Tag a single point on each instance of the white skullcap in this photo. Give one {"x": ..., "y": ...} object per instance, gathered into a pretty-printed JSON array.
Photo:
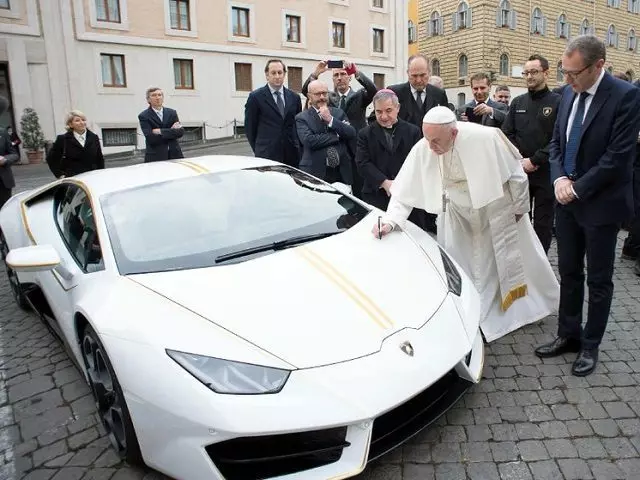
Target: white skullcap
[{"x": 439, "y": 115}]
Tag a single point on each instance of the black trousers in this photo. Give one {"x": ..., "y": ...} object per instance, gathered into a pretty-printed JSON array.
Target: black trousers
[
  {"x": 381, "y": 200},
  {"x": 542, "y": 201},
  {"x": 599, "y": 244},
  {"x": 5, "y": 194}
]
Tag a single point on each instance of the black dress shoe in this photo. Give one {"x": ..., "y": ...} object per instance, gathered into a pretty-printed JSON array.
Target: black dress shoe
[
  {"x": 559, "y": 346},
  {"x": 585, "y": 363}
]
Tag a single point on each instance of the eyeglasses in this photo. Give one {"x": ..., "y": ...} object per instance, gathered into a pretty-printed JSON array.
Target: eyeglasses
[
  {"x": 573, "y": 75},
  {"x": 533, "y": 73}
]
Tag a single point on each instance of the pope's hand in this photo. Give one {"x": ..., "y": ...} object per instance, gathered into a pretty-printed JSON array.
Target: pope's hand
[
  {"x": 385, "y": 229},
  {"x": 386, "y": 185},
  {"x": 564, "y": 191}
]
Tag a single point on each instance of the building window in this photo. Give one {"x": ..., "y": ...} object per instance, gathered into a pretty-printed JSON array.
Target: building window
[
  {"x": 106, "y": 10},
  {"x": 113, "y": 70},
  {"x": 183, "y": 74},
  {"x": 632, "y": 41},
  {"x": 293, "y": 23},
  {"x": 179, "y": 14},
  {"x": 435, "y": 67},
  {"x": 243, "y": 76},
  {"x": 436, "y": 26},
  {"x": 118, "y": 137},
  {"x": 295, "y": 79},
  {"x": 192, "y": 135},
  {"x": 463, "y": 66},
  {"x": 538, "y": 22},
  {"x": 462, "y": 17},
  {"x": 378, "y": 80},
  {"x": 634, "y": 6},
  {"x": 562, "y": 27},
  {"x": 413, "y": 34},
  {"x": 378, "y": 3},
  {"x": 378, "y": 40},
  {"x": 504, "y": 64},
  {"x": 506, "y": 16},
  {"x": 462, "y": 99},
  {"x": 4, "y": 4},
  {"x": 338, "y": 34},
  {"x": 241, "y": 26},
  {"x": 612, "y": 37}
]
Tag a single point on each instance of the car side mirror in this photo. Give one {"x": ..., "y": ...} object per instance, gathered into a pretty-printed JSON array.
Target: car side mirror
[{"x": 35, "y": 258}]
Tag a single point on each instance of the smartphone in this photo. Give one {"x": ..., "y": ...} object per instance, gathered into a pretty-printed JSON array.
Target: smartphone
[
  {"x": 472, "y": 117},
  {"x": 335, "y": 64}
]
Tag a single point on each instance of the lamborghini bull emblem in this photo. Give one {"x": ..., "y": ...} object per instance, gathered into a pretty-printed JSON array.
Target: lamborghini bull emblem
[
  {"x": 546, "y": 111},
  {"x": 407, "y": 348}
]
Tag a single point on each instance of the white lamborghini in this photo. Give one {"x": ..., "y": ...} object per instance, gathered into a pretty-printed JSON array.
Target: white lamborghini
[{"x": 235, "y": 318}]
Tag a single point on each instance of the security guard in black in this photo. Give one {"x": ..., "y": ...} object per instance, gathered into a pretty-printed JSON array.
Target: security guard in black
[{"x": 529, "y": 126}]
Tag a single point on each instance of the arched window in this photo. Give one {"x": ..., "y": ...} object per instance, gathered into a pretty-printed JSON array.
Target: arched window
[
  {"x": 435, "y": 67},
  {"x": 612, "y": 36},
  {"x": 462, "y": 17},
  {"x": 436, "y": 26},
  {"x": 463, "y": 66},
  {"x": 504, "y": 64},
  {"x": 537, "y": 22},
  {"x": 506, "y": 16},
  {"x": 632, "y": 41},
  {"x": 562, "y": 27},
  {"x": 585, "y": 29}
]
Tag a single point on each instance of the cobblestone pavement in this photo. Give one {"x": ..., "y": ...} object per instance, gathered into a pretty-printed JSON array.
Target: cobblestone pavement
[{"x": 527, "y": 419}]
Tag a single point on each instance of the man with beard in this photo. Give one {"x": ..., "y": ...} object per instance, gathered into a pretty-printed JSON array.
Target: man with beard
[
  {"x": 324, "y": 134},
  {"x": 529, "y": 126},
  {"x": 382, "y": 148},
  {"x": 485, "y": 111}
]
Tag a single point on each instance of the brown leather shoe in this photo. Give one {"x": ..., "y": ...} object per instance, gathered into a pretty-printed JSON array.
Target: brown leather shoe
[{"x": 559, "y": 346}]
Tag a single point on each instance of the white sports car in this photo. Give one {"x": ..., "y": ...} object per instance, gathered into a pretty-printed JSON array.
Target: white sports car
[{"x": 236, "y": 319}]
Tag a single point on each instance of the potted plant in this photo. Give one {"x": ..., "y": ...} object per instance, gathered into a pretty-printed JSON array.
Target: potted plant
[{"x": 32, "y": 136}]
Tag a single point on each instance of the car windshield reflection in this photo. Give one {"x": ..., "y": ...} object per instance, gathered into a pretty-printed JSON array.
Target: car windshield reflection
[{"x": 188, "y": 223}]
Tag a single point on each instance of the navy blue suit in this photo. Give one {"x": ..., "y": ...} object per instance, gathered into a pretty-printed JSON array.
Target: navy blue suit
[
  {"x": 164, "y": 146},
  {"x": 603, "y": 185},
  {"x": 270, "y": 134}
]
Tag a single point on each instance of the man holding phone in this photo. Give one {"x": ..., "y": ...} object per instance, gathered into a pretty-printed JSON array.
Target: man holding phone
[{"x": 482, "y": 109}]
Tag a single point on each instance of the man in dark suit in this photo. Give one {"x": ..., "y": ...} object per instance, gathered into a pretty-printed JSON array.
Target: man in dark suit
[
  {"x": 591, "y": 156},
  {"x": 269, "y": 117},
  {"x": 161, "y": 128},
  {"x": 352, "y": 102},
  {"x": 324, "y": 133},
  {"x": 382, "y": 149},
  {"x": 417, "y": 97},
  {"x": 8, "y": 156},
  {"x": 485, "y": 111}
]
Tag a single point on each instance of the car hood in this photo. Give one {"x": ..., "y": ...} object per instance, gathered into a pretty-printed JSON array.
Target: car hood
[{"x": 321, "y": 303}]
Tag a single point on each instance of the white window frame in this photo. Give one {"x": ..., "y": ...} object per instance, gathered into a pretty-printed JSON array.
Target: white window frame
[
  {"x": 14, "y": 10},
  {"x": 124, "y": 17},
  {"x": 384, "y": 9},
  {"x": 303, "y": 29},
  {"x": 101, "y": 89},
  {"x": 252, "y": 23},
  {"x": 385, "y": 41},
  {"x": 192, "y": 21},
  {"x": 343, "y": 3},
  {"x": 181, "y": 91},
  {"x": 347, "y": 43}
]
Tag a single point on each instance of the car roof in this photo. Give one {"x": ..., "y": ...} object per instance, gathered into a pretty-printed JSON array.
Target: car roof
[{"x": 115, "y": 179}]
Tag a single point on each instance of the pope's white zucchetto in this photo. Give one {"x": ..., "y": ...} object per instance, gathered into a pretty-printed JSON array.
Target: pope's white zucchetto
[{"x": 439, "y": 116}]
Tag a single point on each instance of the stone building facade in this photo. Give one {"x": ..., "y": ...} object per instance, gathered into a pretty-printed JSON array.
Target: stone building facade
[{"x": 468, "y": 36}]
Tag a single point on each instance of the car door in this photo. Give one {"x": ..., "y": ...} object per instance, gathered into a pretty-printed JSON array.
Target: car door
[{"x": 80, "y": 252}]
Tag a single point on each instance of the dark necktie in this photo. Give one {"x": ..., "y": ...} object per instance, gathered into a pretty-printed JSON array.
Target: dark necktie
[
  {"x": 419, "y": 99},
  {"x": 343, "y": 102},
  {"x": 279, "y": 102},
  {"x": 571, "y": 149}
]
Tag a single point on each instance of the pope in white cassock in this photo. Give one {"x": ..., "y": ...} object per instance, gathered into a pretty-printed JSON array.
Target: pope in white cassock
[{"x": 471, "y": 176}]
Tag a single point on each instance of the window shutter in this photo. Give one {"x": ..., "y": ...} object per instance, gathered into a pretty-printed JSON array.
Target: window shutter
[
  {"x": 430, "y": 28},
  {"x": 558, "y": 28},
  {"x": 440, "y": 26},
  {"x": 454, "y": 21},
  {"x": 469, "y": 17},
  {"x": 513, "y": 19},
  {"x": 499, "y": 16},
  {"x": 544, "y": 25}
]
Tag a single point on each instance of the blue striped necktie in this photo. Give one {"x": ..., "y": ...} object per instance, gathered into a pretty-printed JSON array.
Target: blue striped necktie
[{"x": 571, "y": 149}]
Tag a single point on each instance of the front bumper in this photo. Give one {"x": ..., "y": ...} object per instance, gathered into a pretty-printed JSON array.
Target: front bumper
[{"x": 326, "y": 423}]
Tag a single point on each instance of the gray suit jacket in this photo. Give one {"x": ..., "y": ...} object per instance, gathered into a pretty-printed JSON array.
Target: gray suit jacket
[
  {"x": 499, "y": 113},
  {"x": 11, "y": 156}
]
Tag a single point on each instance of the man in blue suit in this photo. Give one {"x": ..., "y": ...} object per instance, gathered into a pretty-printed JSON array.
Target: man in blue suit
[
  {"x": 591, "y": 156},
  {"x": 161, "y": 128},
  {"x": 269, "y": 117}
]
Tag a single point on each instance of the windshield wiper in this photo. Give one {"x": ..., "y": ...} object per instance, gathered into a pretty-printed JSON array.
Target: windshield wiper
[{"x": 279, "y": 245}]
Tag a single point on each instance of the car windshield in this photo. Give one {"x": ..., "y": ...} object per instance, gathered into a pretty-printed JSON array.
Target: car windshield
[{"x": 191, "y": 222}]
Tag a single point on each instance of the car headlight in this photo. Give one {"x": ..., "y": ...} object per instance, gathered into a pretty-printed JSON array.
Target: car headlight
[
  {"x": 227, "y": 377},
  {"x": 454, "y": 280}
]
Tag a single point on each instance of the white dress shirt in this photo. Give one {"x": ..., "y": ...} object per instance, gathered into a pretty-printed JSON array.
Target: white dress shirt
[
  {"x": 275, "y": 97},
  {"x": 159, "y": 112},
  {"x": 80, "y": 138},
  {"x": 587, "y": 103}
]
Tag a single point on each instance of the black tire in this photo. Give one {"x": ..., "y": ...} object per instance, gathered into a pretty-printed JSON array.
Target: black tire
[
  {"x": 110, "y": 401},
  {"x": 17, "y": 290}
]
